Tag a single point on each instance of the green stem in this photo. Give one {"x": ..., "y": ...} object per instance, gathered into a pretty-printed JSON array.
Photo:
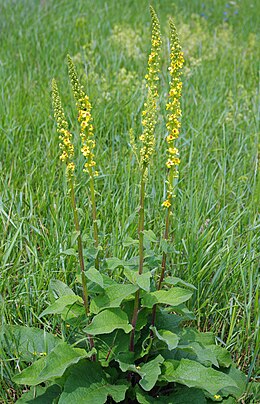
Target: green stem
[
  {"x": 141, "y": 257},
  {"x": 94, "y": 214},
  {"x": 81, "y": 258},
  {"x": 163, "y": 266},
  {"x": 80, "y": 248}
]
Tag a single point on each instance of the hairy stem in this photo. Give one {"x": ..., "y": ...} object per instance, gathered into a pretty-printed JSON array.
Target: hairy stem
[
  {"x": 163, "y": 266},
  {"x": 81, "y": 259},
  {"x": 94, "y": 214},
  {"x": 141, "y": 257},
  {"x": 80, "y": 248}
]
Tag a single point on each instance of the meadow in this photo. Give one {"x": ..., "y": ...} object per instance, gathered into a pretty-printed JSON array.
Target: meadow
[{"x": 215, "y": 237}]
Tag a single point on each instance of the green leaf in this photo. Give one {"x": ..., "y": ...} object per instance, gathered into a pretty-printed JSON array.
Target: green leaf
[
  {"x": 143, "y": 280},
  {"x": 74, "y": 236},
  {"x": 222, "y": 355},
  {"x": 180, "y": 396},
  {"x": 62, "y": 356},
  {"x": 27, "y": 343},
  {"x": 31, "y": 374},
  {"x": 192, "y": 335},
  {"x": 168, "y": 321},
  {"x": 107, "y": 321},
  {"x": 88, "y": 384},
  {"x": 193, "y": 374},
  {"x": 167, "y": 336},
  {"x": 151, "y": 370},
  {"x": 61, "y": 304},
  {"x": 69, "y": 252},
  {"x": 113, "y": 263},
  {"x": 185, "y": 395},
  {"x": 112, "y": 297},
  {"x": 172, "y": 280},
  {"x": 126, "y": 361},
  {"x": 172, "y": 297},
  {"x": 129, "y": 241},
  {"x": 111, "y": 345},
  {"x": 239, "y": 379},
  {"x": 58, "y": 289},
  {"x": 144, "y": 398},
  {"x": 197, "y": 351},
  {"x": 95, "y": 276},
  {"x": 51, "y": 366},
  {"x": 150, "y": 236},
  {"x": 40, "y": 395}
]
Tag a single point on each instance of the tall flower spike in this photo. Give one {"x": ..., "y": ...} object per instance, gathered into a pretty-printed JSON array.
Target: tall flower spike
[
  {"x": 65, "y": 136},
  {"x": 174, "y": 113},
  {"x": 149, "y": 113},
  {"x": 85, "y": 120}
]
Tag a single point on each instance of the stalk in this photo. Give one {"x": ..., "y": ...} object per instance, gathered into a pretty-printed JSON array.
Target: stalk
[
  {"x": 80, "y": 248},
  {"x": 141, "y": 257},
  {"x": 149, "y": 120},
  {"x": 164, "y": 257},
  {"x": 87, "y": 141},
  {"x": 94, "y": 215},
  {"x": 173, "y": 126},
  {"x": 66, "y": 157},
  {"x": 81, "y": 258}
]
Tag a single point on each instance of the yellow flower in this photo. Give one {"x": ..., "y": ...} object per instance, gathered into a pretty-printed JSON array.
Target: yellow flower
[
  {"x": 84, "y": 118},
  {"x": 217, "y": 397},
  {"x": 173, "y": 150},
  {"x": 150, "y": 105},
  {"x": 173, "y": 106},
  {"x": 166, "y": 204},
  {"x": 66, "y": 146}
]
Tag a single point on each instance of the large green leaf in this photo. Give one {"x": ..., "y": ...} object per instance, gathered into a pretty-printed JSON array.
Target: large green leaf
[
  {"x": 166, "y": 336},
  {"x": 193, "y": 374},
  {"x": 26, "y": 343},
  {"x": 88, "y": 384},
  {"x": 172, "y": 280},
  {"x": 239, "y": 378},
  {"x": 192, "y": 335},
  {"x": 62, "y": 305},
  {"x": 40, "y": 395},
  {"x": 51, "y": 366},
  {"x": 112, "y": 297},
  {"x": 180, "y": 396},
  {"x": 186, "y": 395},
  {"x": 110, "y": 345},
  {"x": 204, "y": 355},
  {"x": 143, "y": 280},
  {"x": 31, "y": 374},
  {"x": 95, "y": 276},
  {"x": 172, "y": 297},
  {"x": 167, "y": 321},
  {"x": 143, "y": 398},
  {"x": 58, "y": 288},
  {"x": 150, "y": 372},
  {"x": 222, "y": 355},
  {"x": 107, "y": 321},
  {"x": 114, "y": 262}
]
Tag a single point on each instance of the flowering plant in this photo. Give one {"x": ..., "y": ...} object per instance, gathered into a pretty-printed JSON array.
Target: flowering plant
[{"x": 127, "y": 339}]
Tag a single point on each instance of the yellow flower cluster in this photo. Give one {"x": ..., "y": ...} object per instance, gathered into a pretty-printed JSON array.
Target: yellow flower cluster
[
  {"x": 174, "y": 112},
  {"x": 85, "y": 119},
  {"x": 149, "y": 112},
  {"x": 65, "y": 136}
]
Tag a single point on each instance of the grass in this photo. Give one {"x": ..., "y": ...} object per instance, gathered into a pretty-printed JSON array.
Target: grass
[{"x": 216, "y": 230}]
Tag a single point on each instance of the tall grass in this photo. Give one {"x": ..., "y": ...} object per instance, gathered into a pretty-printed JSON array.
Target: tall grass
[{"x": 216, "y": 227}]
